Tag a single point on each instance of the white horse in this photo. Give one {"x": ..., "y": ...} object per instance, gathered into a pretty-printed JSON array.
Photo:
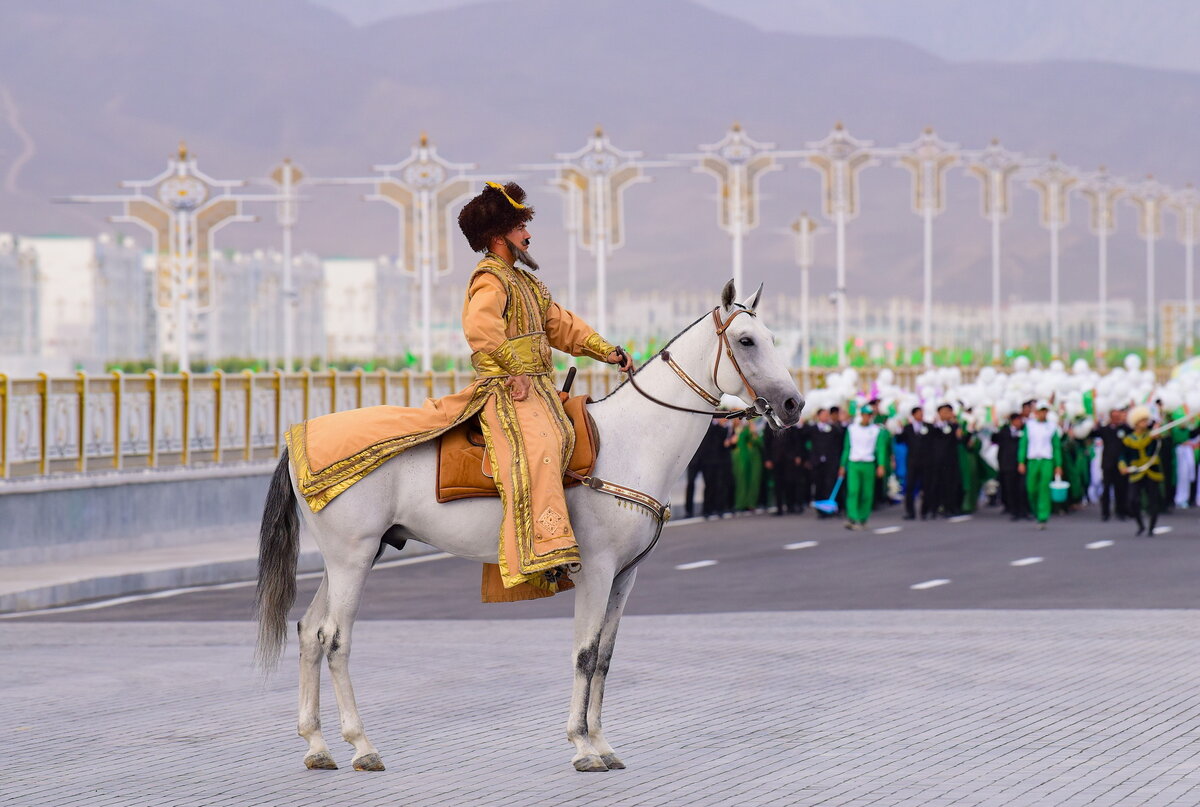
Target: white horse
[{"x": 644, "y": 445}]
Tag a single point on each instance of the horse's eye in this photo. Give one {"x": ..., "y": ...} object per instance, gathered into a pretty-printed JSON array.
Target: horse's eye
[{"x": 747, "y": 341}]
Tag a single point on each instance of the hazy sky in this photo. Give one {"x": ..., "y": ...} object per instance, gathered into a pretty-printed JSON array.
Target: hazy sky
[{"x": 1149, "y": 33}]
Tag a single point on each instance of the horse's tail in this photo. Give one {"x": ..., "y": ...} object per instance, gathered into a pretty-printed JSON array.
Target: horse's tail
[{"x": 278, "y": 548}]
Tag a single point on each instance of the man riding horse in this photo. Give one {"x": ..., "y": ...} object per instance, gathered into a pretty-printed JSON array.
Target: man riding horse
[{"x": 511, "y": 322}]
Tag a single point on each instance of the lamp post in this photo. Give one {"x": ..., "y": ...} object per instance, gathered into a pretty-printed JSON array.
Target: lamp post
[
  {"x": 994, "y": 168},
  {"x": 738, "y": 164},
  {"x": 1186, "y": 206},
  {"x": 928, "y": 158},
  {"x": 182, "y": 208},
  {"x": 286, "y": 177},
  {"x": 571, "y": 192},
  {"x": 1149, "y": 197},
  {"x": 804, "y": 228},
  {"x": 1054, "y": 182},
  {"x": 839, "y": 158},
  {"x": 600, "y": 172},
  {"x": 1102, "y": 191}
]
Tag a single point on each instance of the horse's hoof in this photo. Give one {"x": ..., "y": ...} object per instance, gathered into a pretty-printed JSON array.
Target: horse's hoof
[
  {"x": 368, "y": 762},
  {"x": 320, "y": 762},
  {"x": 613, "y": 762},
  {"x": 589, "y": 763}
]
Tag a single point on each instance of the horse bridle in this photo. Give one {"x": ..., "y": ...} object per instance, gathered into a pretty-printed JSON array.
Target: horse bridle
[{"x": 760, "y": 407}]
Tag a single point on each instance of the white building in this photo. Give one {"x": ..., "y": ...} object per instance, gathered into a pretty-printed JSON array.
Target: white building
[{"x": 19, "y": 290}]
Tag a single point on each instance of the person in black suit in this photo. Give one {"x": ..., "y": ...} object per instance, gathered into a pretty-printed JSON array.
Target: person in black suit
[
  {"x": 915, "y": 437},
  {"x": 944, "y": 492},
  {"x": 825, "y": 440},
  {"x": 716, "y": 465},
  {"x": 1112, "y": 437},
  {"x": 1012, "y": 482},
  {"x": 784, "y": 454}
]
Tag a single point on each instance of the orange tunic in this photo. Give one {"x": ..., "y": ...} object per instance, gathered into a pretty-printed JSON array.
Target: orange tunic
[{"x": 511, "y": 323}]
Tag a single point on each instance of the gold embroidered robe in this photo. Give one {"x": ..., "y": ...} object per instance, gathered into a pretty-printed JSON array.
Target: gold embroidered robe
[{"x": 511, "y": 323}]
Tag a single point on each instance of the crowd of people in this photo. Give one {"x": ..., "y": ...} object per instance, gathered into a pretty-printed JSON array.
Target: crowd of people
[{"x": 1036, "y": 462}]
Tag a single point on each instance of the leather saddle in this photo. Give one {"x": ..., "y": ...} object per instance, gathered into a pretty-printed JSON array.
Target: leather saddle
[{"x": 464, "y": 471}]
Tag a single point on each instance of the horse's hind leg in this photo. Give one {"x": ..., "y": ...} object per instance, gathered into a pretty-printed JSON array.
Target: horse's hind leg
[
  {"x": 346, "y": 577},
  {"x": 311, "y": 654},
  {"x": 608, "y": 638}
]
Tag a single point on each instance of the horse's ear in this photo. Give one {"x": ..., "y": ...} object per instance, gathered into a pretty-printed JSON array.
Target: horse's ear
[
  {"x": 752, "y": 303},
  {"x": 727, "y": 295}
]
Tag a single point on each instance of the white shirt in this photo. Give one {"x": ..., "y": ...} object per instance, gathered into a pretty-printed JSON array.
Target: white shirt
[
  {"x": 1039, "y": 443},
  {"x": 862, "y": 441}
]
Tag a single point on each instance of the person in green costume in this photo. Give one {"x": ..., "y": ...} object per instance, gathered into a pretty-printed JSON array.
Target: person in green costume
[
  {"x": 863, "y": 458},
  {"x": 1077, "y": 460},
  {"x": 1039, "y": 457},
  {"x": 968, "y": 465},
  {"x": 747, "y": 467}
]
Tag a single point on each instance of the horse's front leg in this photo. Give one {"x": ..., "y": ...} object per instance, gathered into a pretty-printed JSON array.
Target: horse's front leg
[
  {"x": 608, "y": 638},
  {"x": 592, "y": 589}
]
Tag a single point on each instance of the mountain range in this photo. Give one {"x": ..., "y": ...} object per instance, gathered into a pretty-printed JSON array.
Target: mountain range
[{"x": 94, "y": 93}]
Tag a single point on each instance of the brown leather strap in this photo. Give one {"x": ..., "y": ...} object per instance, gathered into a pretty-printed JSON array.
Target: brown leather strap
[
  {"x": 661, "y": 513},
  {"x": 687, "y": 379},
  {"x": 727, "y": 349}
]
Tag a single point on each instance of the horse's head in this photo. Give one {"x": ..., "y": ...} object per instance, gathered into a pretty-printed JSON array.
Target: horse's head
[{"x": 748, "y": 365}]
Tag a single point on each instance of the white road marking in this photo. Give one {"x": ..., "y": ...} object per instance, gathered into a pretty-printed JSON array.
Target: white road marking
[
  {"x": 801, "y": 545},
  {"x": 697, "y": 564},
  {"x": 1162, "y": 530},
  {"x": 958, "y": 519},
  {"x": 887, "y": 530},
  {"x": 1099, "y": 544},
  {"x": 174, "y": 592},
  {"x": 679, "y": 522},
  {"x": 928, "y": 584},
  {"x": 1026, "y": 561}
]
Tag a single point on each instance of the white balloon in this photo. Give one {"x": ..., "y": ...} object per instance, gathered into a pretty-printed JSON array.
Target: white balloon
[
  {"x": 1133, "y": 362},
  {"x": 1079, "y": 366},
  {"x": 1021, "y": 364}
]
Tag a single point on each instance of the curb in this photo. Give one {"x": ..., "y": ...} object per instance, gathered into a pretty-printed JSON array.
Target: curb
[{"x": 197, "y": 574}]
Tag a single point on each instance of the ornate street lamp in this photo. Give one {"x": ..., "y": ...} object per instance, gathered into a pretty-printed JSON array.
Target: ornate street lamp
[
  {"x": 994, "y": 168},
  {"x": 839, "y": 158},
  {"x": 738, "y": 164},
  {"x": 182, "y": 208},
  {"x": 1102, "y": 191},
  {"x": 286, "y": 177},
  {"x": 1150, "y": 197},
  {"x": 1186, "y": 206},
  {"x": 928, "y": 158},
  {"x": 1054, "y": 182},
  {"x": 424, "y": 188},
  {"x": 803, "y": 229},
  {"x": 599, "y": 174}
]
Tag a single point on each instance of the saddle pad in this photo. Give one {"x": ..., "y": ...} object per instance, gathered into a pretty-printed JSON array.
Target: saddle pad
[{"x": 463, "y": 471}]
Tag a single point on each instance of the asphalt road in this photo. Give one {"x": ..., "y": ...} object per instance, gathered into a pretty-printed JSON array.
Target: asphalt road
[{"x": 1069, "y": 565}]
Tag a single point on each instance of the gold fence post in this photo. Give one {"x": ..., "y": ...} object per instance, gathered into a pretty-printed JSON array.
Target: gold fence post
[
  {"x": 429, "y": 384},
  {"x": 307, "y": 374},
  {"x": 333, "y": 377},
  {"x": 279, "y": 387},
  {"x": 407, "y": 387},
  {"x": 81, "y": 394},
  {"x": 153, "y": 460},
  {"x": 359, "y": 379},
  {"x": 44, "y": 393},
  {"x": 249, "y": 444},
  {"x": 118, "y": 387},
  {"x": 185, "y": 384},
  {"x": 218, "y": 413},
  {"x": 383, "y": 386}
]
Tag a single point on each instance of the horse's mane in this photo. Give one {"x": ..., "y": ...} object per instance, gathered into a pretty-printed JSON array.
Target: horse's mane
[{"x": 655, "y": 356}]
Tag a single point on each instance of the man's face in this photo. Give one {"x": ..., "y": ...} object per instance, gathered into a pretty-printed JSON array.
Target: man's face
[
  {"x": 945, "y": 413},
  {"x": 1018, "y": 422},
  {"x": 1041, "y": 415},
  {"x": 1117, "y": 416},
  {"x": 865, "y": 418},
  {"x": 519, "y": 236},
  {"x": 823, "y": 416},
  {"x": 918, "y": 415}
]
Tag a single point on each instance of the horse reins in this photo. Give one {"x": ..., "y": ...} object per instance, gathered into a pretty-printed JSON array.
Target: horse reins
[
  {"x": 723, "y": 346},
  {"x": 661, "y": 513}
]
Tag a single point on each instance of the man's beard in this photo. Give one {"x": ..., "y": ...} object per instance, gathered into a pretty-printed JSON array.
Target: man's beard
[{"x": 521, "y": 255}]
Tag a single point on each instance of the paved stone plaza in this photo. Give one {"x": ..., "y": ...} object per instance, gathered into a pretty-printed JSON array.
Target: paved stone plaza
[{"x": 820, "y": 708}]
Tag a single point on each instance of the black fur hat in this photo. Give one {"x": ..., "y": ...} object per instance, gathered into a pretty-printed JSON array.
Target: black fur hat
[{"x": 496, "y": 211}]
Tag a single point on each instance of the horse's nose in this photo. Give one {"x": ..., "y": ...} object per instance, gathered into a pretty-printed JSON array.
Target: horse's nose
[{"x": 792, "y": 405}]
